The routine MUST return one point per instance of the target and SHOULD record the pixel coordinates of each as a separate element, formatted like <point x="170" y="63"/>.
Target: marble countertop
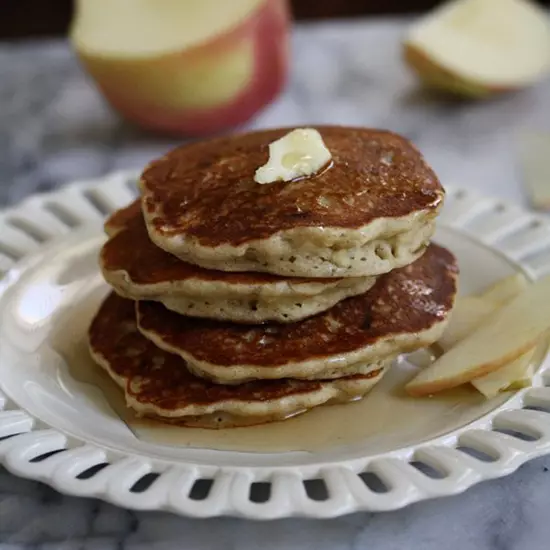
<point x="54" y="128"/>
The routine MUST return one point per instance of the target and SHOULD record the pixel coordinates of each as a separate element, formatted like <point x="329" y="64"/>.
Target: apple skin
<point x="438" y="77"/>
<point x="206" y="89"/>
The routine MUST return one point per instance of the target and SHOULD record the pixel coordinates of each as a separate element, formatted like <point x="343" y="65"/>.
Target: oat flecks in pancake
<point x="207" y="189"/>
<point x="406" y="309"/>
<point x="158" y="383"/>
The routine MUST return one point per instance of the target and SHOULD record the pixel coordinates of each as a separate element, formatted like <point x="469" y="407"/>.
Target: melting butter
<point x="299" y="153"/>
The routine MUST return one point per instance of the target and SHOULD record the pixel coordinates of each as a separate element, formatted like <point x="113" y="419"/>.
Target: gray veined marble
<point x="55" y="128"/>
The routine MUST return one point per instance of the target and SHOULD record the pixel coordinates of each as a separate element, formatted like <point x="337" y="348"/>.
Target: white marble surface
<point x="55" y="128"/>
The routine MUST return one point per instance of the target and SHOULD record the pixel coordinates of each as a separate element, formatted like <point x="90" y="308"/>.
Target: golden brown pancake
<point x="372" y="210"/>
<point x="406" y="309"/>
<point x="139" y="270"/>
<point x="158" y="384"/>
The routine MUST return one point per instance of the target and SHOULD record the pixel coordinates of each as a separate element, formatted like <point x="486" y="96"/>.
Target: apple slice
<point x="506" y="289"/>
<point x="513" y="376"/>
<point x="477" y="48"/>
<point x="186" y="67"/>
<point x="518" y="373"/>
<point x="470" y="311"/>
<point x="535" y="150"/>
<point x="511" y="332"/>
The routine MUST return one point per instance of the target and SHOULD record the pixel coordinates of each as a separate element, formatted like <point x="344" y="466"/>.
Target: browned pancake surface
<point x="123" y="217"/>
<point x="207" y="190"/>
<point x="406" y="300"/>
<point x="161" y="378"/>
<point x="131" y="250"/>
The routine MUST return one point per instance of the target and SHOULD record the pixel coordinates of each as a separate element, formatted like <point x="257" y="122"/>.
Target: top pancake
<point x="405" y="310"/>
<point x="202" y="204"/>
<point x="206" y="190"/>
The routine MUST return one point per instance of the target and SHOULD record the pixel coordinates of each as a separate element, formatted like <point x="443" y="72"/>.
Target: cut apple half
<point x="150" y="28"/>
<point x="189" y="67"/>
<point x="480" y="47"/>
<point x="512" y="331"/>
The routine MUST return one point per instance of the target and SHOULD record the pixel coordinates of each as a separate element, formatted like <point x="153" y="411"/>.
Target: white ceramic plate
<point x="58" y="430"/>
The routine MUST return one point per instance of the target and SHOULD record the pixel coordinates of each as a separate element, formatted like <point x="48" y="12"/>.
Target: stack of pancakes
<point x="237" y="303"/>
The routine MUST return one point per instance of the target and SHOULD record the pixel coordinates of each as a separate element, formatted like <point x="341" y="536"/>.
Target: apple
<point x="512" y="376"/>
<point x="184" y="67"/>
<point x="512" y="331"/>
<point x="470" y="311"/>
<point x="506" y="289"/>
<point x="478" y="48"/>
<point x="535" y="150"/>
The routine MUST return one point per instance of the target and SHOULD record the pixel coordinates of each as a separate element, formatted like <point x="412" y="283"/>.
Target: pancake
<point x="372" y="210"/>
<point x="122" y="218"/>
<point x="407" y="309"/>
<point x="139" y="270"/>
<point x="158" y="384"/>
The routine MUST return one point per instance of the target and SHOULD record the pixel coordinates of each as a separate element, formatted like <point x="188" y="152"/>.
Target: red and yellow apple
<point x="479" y="48"/>
<point x="186" y="67"/>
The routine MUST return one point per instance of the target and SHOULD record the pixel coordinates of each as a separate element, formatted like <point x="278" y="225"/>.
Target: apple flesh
<point x="188" y="68"/>
<point x="512" y="376"/>
<point x="512" y="331"/>
<point x="479" y="48"/>
<point x="469" y="312"/>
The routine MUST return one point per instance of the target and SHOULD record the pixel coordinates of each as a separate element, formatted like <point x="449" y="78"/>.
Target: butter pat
<point x="299" y="153"/>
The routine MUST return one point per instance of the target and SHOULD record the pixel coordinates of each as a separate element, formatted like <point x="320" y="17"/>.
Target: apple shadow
<point x="422" y="96"/>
